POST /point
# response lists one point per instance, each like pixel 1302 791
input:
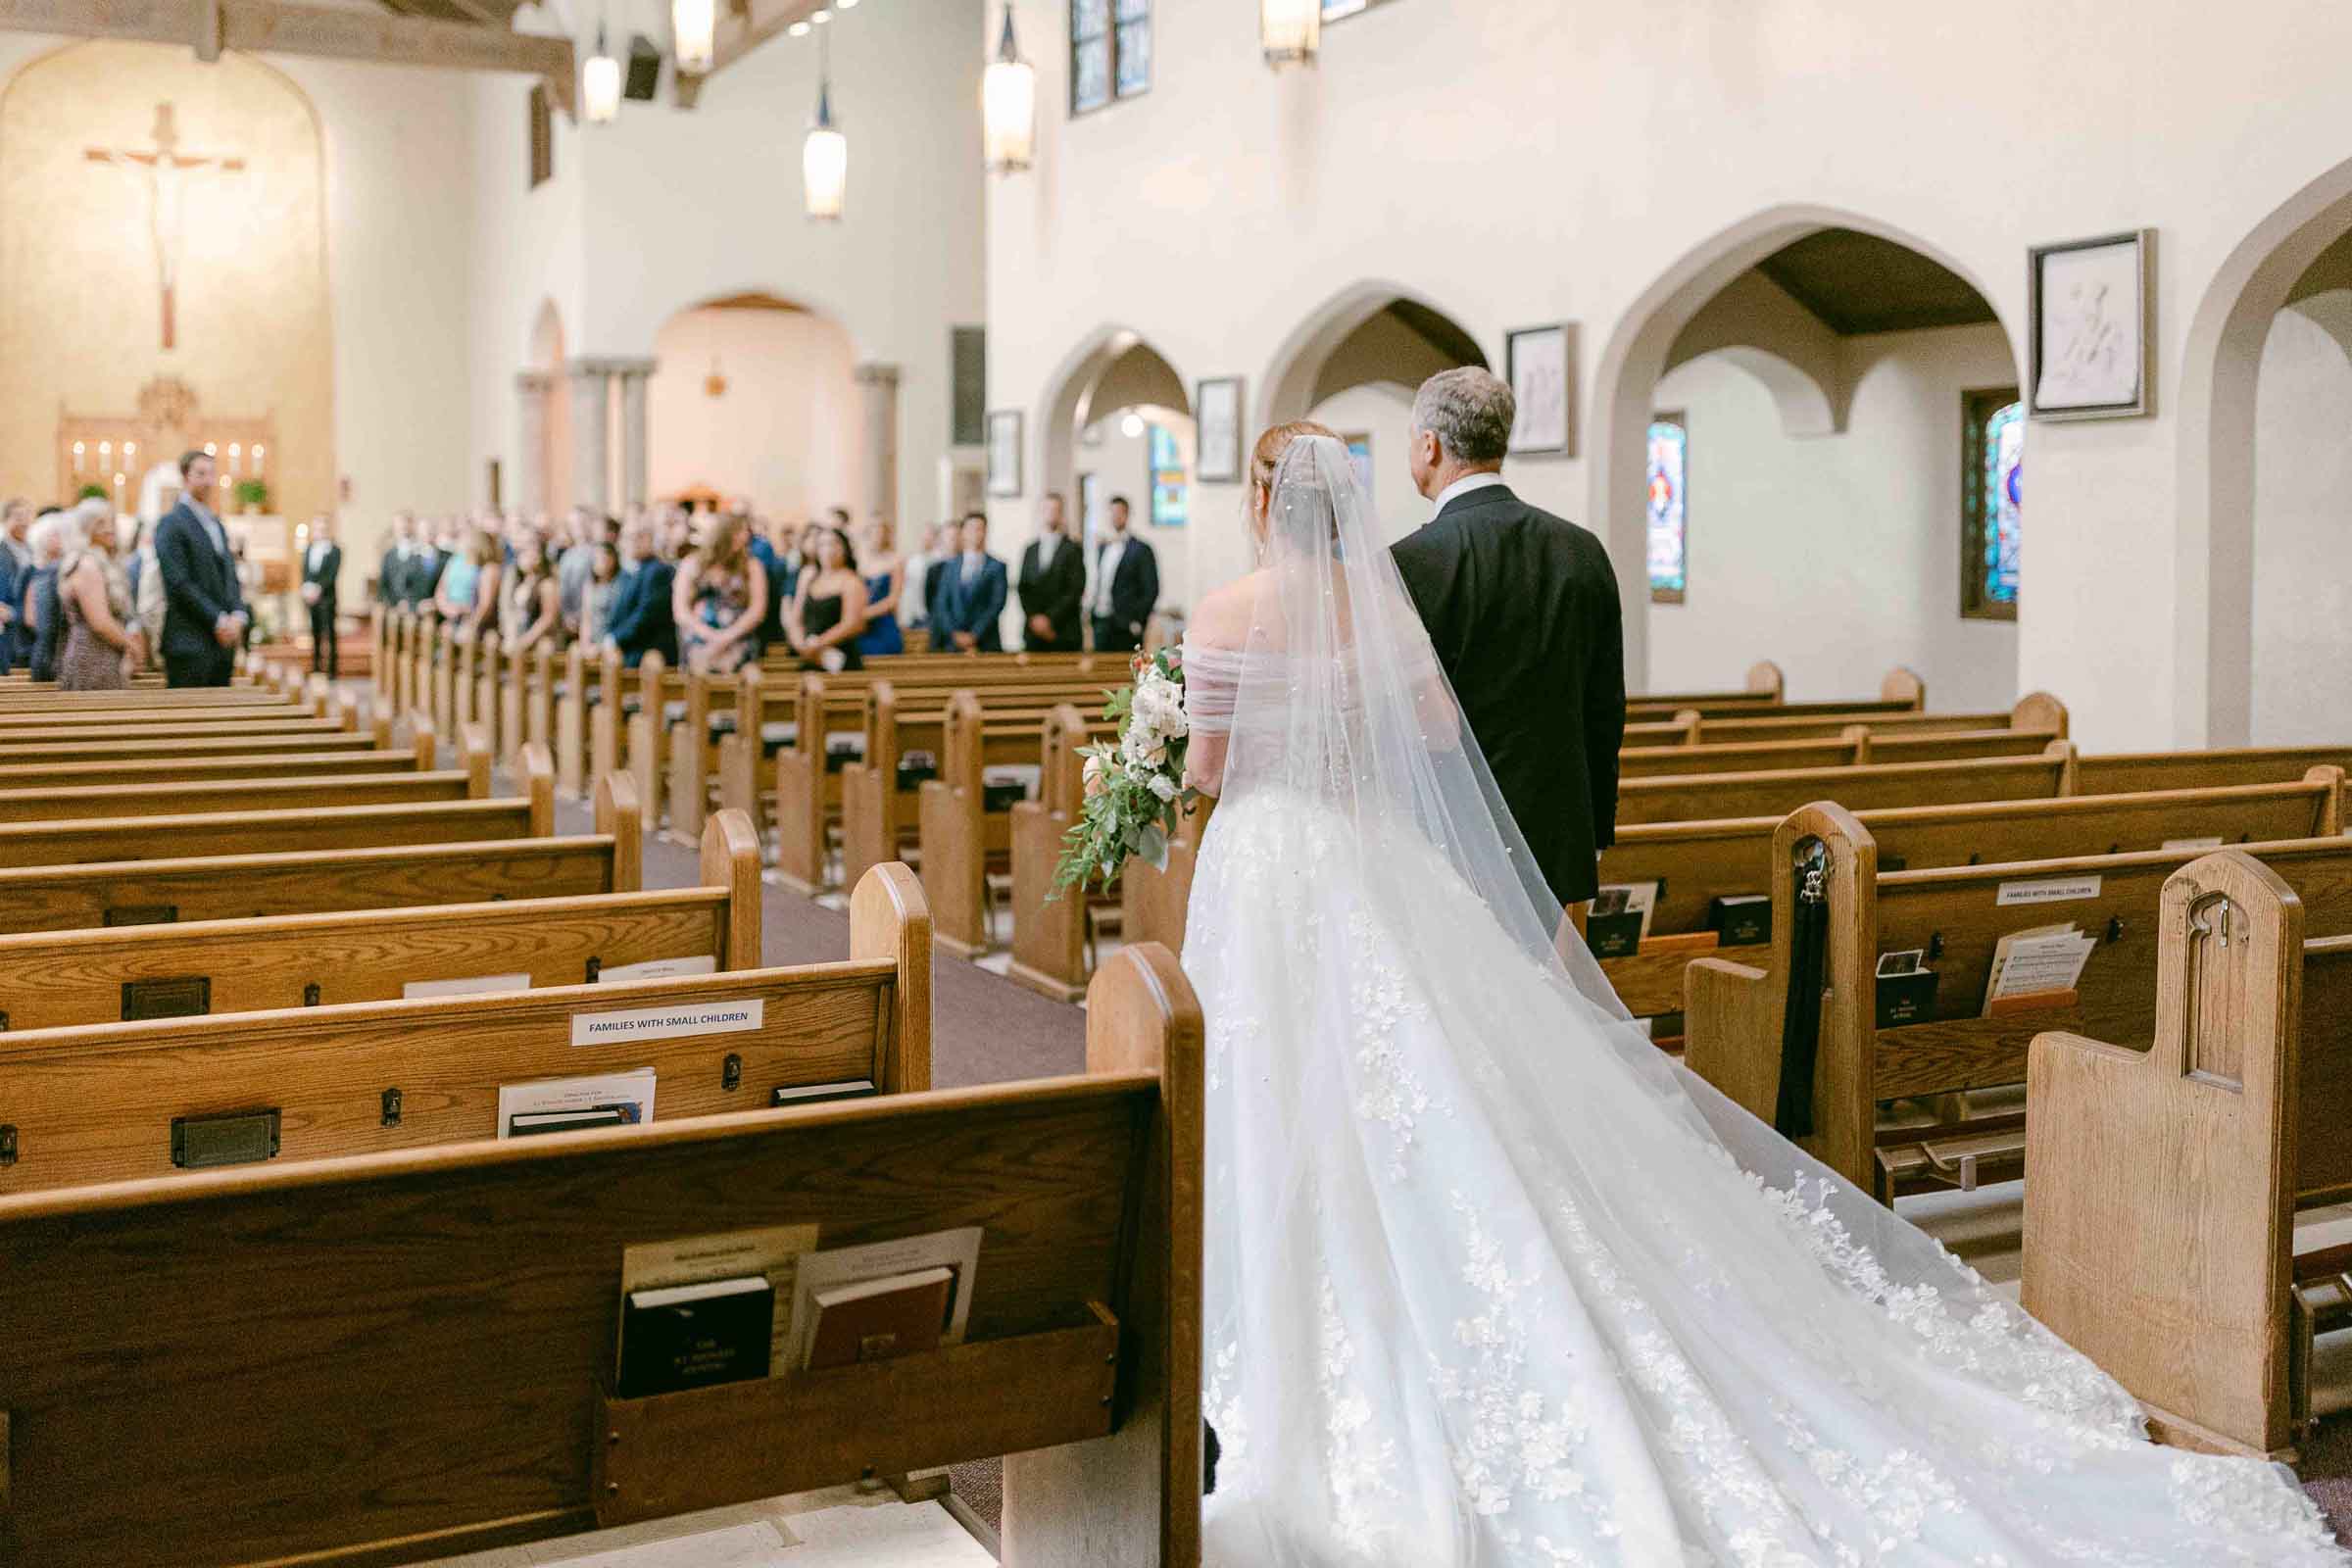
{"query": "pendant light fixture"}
pixel 1290 32
pixel 825 155
pixel 694 31
pixel 600 82
pixel 1009 106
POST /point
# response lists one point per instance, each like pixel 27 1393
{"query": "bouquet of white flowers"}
pixel 1134 791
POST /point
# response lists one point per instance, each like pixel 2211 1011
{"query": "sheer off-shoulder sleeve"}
pixel 1212 680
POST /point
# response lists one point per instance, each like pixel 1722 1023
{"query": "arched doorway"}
pixel 1814 414
pixel 754 397
pixel 1355 365
pixel 1117 422
pixel 2245 446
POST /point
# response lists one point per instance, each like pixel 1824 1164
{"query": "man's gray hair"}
pixel 1470 411
pixel 47 536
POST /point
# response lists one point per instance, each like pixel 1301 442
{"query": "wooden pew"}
pixel 2177 770
pixel 1680 798
pixel 16 697
pixel 204 716
pixel 1855 746
pixel 83 772
pixel 1735 1012
pixel 135 747
pixel 61 978
pixel 1048 930
pixel 879 813
pixel 73 842
pixel 2163 1183
pixel 425 1396
pixel 1901 692
pixel 392 876
pixel 166 797
pixel 1696 863
pixel 2037 711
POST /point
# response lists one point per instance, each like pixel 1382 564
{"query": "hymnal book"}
pixel 567 1104
pixel 873 1320
pixel 2031 964
pixel 818 1093
pixel 1620 918
pixel 916 768
pixel 774 1254
pixel 1741 919
pixel 693 1336
pixel 958 1252
pixel 843 750
pixel 1906 988
pixel 1006 786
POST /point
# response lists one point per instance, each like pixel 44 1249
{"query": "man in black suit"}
pixel 1126 586
pixel 642 619
pixel 971 599
pixel 1524 611
pixel 322 569
pixel 204 612
pixel 1052 585
pixel 392 571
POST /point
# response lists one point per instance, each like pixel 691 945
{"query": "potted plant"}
pixel 253 496
pixel 91 492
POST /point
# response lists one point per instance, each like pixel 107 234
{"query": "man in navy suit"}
pixel 642 618
pixel 204 612
pixel 971 599
pixel 1126 586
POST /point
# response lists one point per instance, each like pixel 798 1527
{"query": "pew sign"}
pixel 2047 890
pixel 682 1023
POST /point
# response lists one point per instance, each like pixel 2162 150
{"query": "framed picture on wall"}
pixel 1219 406
pixel 1540 362
pixel 1004 452
pixel 2094 311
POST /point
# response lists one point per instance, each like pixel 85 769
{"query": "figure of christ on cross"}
pixel 163 169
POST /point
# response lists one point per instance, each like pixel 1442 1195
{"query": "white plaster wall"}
pixel 1837 557
pixel 398 231
pixel 787 434
pixel 1386 414
pixel 2302 531
pixel 1519 163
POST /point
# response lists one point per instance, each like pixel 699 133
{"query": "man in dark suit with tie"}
pixel 1052 585
pixel 642 619
pixel 971 600
pixel 1126 586
pixel 1522 610
pixel 322 569
pixel 204 612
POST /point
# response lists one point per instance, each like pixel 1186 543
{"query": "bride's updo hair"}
pixel 1300 513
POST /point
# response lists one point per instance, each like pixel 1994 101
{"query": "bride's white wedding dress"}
pixel 1490 1280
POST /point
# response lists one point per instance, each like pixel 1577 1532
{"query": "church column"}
pixel 531 389
pixel 591 420
pixel 878 391
pixel 633 373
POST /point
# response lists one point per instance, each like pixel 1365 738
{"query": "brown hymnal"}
pixel 873 1320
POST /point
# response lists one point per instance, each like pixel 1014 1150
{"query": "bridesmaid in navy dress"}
pixel 885 575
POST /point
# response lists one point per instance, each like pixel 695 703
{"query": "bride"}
pixel 1491 1280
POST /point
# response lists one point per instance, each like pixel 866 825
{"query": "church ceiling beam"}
pixel 280 27
pixel 753 25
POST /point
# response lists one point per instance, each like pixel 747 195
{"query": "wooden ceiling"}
pixel 1858 283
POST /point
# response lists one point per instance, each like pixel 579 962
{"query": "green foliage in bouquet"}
pixel 1135 797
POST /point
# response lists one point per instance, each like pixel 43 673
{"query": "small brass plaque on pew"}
pixel 242 1138
pixel 144 915
pixel 187 995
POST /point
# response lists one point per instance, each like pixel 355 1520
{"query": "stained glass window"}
pixel 1669 508
pixel 1168 491
pixel 1992 466
pixel 1110 51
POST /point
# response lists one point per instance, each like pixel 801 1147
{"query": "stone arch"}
pixel 1112 368
pixel 1637 355
pixel 2214 533
pixel 754 394
pixel 1314 362
pixel 543 481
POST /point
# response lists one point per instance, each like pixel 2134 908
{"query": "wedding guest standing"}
pixel 971 602
pixel 16 574
pixel 392 571
pixel 885 577
pixel 642 618
pixel 1126 586
pixel 603 585
pixel 1053 584
pixel 721 597
pixel 204 612
pixel 41 611
pixel 531 608
pixel 829 613
pixel 99 645
pixel 322 569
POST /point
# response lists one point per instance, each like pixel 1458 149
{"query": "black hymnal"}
pixel 1614 936
pixel 1741 919
pixel 918 768
pixel 694 1336
pixel 1906 997
pixel 1002 796
pixel 818 1093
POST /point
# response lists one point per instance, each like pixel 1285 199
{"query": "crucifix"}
pixel 163 169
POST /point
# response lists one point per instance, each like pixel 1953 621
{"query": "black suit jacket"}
pixel 200 586
pixel 1524 611
pixel 328 574
pixel 1057 594
pixel 642 618
pixel 1135 587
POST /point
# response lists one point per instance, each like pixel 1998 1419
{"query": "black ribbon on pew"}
pixel 1801 1021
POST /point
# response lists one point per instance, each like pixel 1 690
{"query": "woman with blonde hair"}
pixel 721 597
pixel 102 645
